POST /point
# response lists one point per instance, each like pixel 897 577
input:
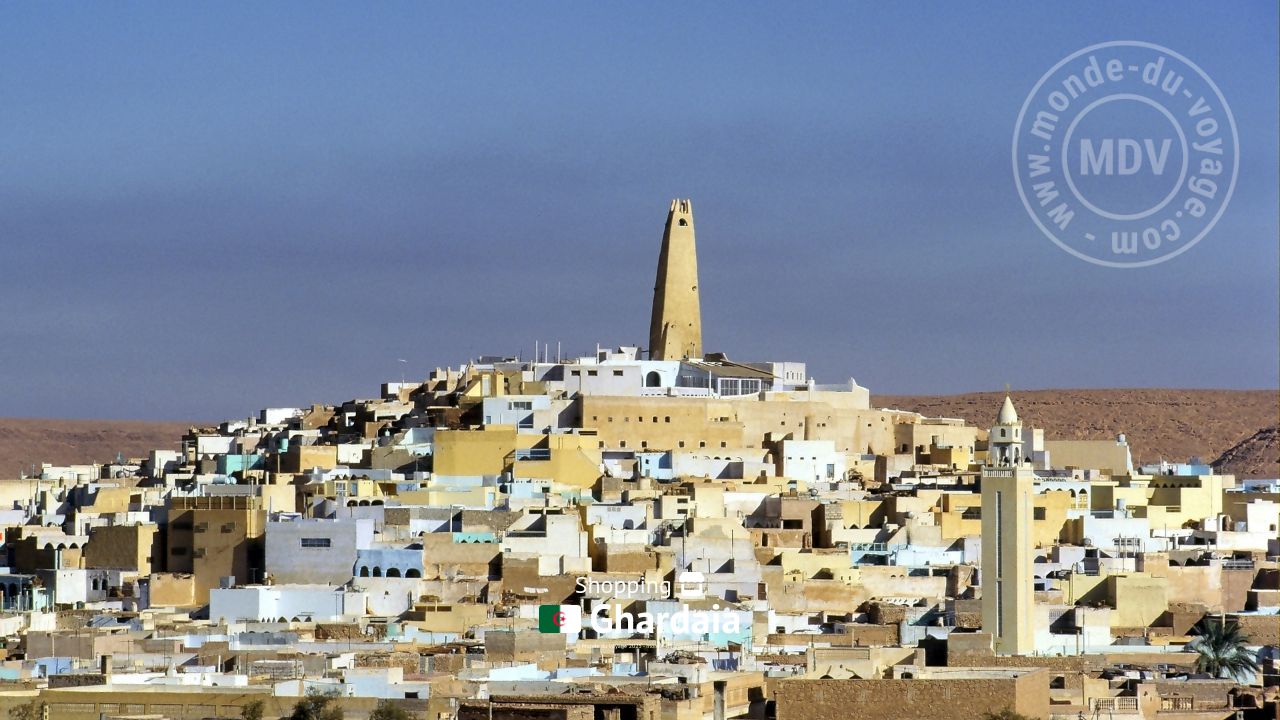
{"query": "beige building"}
pixel 214 537
pixel 123 547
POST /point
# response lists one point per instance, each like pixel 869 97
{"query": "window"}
pixel 592 373
pixel 617 373
pixel 316 542
pixel 1038 513
pixel 999 568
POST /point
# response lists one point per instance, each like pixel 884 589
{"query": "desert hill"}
pixel 28 441
pixel 1256 456
pixel 1173 425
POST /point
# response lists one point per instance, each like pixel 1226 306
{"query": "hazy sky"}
pixel 209 209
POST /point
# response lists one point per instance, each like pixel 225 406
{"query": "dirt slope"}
pixel 1173 425
pixel 24 441
pixel 1256 456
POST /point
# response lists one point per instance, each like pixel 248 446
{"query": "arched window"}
pixel 377 572
pixel 652 379
pixel 364 571
pixel 412 573
pixel 393 572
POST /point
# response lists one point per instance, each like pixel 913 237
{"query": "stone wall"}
pixel 1260 629
pixel 938 699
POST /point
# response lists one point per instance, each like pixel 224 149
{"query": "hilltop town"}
pixel 638 533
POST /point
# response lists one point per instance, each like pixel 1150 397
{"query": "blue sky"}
pixel 209 209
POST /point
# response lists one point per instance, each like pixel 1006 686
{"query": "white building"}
pixel 285 603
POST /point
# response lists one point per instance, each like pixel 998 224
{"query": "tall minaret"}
pixel 675 330
pixel 1008 546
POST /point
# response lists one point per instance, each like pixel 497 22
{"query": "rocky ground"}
pixel 27 441
pixel 1173 425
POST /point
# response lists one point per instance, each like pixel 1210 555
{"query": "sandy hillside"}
pixel 24 441
pixel 1170 424
pixel 1256 456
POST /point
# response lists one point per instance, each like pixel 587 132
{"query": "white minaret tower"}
pixel 1004 444
pixel 1008 581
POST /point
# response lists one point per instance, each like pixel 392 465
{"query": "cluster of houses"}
pixel 480 544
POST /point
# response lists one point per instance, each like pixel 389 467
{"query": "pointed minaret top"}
pixel 1007 416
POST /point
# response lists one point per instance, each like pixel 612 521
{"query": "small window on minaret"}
pixel 683 222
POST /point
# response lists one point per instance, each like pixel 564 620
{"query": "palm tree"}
pixel 1222 649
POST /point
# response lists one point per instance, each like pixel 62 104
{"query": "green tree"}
pixel 317 705
pixel 1222 650
pixel 33 710
pixel 252 710
pixel 388 710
